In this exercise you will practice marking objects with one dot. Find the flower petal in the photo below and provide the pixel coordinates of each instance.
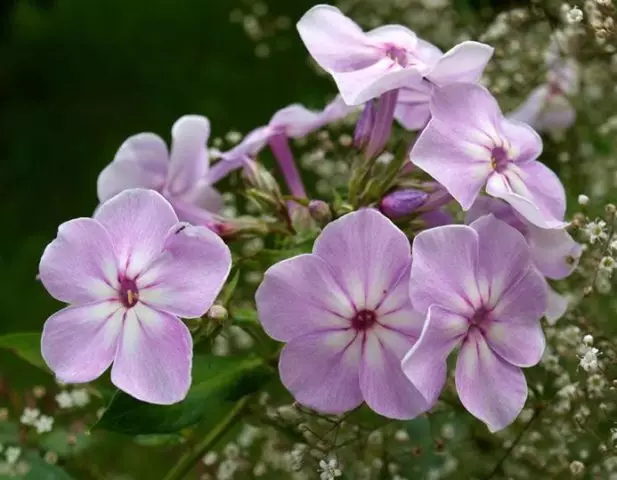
(188, 275)
(523, 301)
(367, 254)
(530, 110)
(189, 156)
(557, 306)
(413, 108)
(360, 86)
(554, 252)
(138, 221)
(491, 389)
(335, 41)
(141, 162)
(385, 388)
(154, 356)
(521, 344)
(443, 271)
(79, 266)
(464, 62)
(503, 257)
(299, 296)
(79, 342)
(321, 370)
(425, 364)
(534, 191)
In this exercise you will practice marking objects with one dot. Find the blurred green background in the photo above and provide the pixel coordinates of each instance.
(78, 77)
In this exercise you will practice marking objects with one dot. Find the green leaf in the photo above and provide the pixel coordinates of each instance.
(26, 346)
(39, 469)
(65, 443)
(217, 381)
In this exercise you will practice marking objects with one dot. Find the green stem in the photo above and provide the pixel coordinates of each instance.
(191, 457)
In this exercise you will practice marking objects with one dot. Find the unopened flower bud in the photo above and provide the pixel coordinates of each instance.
(257, 177)
(401, 203)
(217, 313)
(320, 211)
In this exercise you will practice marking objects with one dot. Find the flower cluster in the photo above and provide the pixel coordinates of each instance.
(451, 244)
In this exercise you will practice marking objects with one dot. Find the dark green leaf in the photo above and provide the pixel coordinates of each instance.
(26, 346)
(216, 381)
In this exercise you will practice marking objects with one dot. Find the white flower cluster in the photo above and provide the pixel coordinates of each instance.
(32, 417)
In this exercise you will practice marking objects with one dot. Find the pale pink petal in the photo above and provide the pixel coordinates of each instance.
(412, 108)
(558, 115)
(321, 370)
(554, 252)
(464, 62)
(153, 360)
(524, 301)
(443, 271)
(530, 110)
(191, 213)
(251, 145)
(360, 86)
(397, 35)
(335, 41)
(188, 275)
(425, 364)
(299, 296)
(367, 254)
(141, 162)
(491, 389)
(503, 257)
(79, 266)
(557, 306)
(385, 388)
(461, 166)
(189, 156)
(79, 342)
(537, 206)
(138, 221)
(521, 344)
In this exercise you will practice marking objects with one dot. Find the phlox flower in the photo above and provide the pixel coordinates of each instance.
(479, 290)
(293, 121)
(547, 107)
(128, 274)
(468, 145)
(554, 252)
(366, 65)
(345, 314)
(143, 161)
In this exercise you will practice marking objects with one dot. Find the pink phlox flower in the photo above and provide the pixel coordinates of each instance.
(554, 252)
(547, 108)
(468, 145)
(345, 316)
(143, 161)
(479, 291)
(128, 273)
(366, 65)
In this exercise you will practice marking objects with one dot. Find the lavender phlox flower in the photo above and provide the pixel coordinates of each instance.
(143, 161)
(479, 290)
(547, 108)
(128, 273)
(293, 121)
(345, 316)
(468, 145)
(372, 66)
(554, 252)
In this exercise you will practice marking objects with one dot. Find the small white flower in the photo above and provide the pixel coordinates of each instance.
(29, 416)
(44, 424)
(64, 399)
(575, 15)
(329, 470)
(81, 397)
(583, 199)
(607, 264)
(12, 455)
(588, 339)
(589, 360)
(233, 136)
(210, 458)
(596, 231)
